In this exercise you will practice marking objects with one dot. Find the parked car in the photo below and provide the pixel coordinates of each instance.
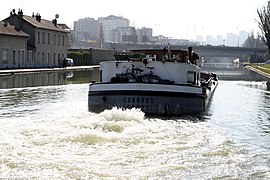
(68, 62)
(267, 62)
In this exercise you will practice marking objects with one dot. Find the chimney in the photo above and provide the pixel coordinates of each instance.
(20, 13)
(20, 19)
(54, 21)
(12, 14)
(5, 23)
(38, 17)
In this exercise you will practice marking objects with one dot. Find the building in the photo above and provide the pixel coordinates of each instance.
(112, 22)
(209, 40)
(126, 35)
(145, 35)
(243, 36)
(48, 41)
(220, 41)
(87, 29)
(13, 46)
(232, 39)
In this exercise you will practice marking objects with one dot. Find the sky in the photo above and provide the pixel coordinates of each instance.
(181, 19)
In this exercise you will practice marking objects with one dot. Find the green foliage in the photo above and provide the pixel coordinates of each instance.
(80, 57)
(264, 68)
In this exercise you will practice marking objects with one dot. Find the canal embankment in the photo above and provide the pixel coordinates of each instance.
(263, 70)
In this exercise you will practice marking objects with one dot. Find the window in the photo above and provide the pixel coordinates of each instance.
(23, 56)
(48, 58)
(14, 57)
(38, 58)
(63, 42)
(191, 77)
(30, 54)
(54, 39)
(43, 58)
(5, 56)
(19, 57)
(43, 38)
(54, 58)
(38, 37)
(59, 40)
(49, 38)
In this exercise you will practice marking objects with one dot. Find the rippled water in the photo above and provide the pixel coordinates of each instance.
(48, 133)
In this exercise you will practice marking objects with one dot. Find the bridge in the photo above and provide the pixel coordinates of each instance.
(211, 54)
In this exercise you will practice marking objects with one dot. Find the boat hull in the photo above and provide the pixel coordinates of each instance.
(151, 99)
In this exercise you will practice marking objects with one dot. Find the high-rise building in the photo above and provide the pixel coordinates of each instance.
(124, 35)
(112, 22)
(87, 29)
(209, 40)
(219, 40)
(243, 35)
(144, 34)
(199, 39)
(232, 39)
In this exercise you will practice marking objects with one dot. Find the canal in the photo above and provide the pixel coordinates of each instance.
(47, 132)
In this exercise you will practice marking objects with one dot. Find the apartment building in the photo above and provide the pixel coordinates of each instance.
(126, 35)
(87, 29)
(112, 22)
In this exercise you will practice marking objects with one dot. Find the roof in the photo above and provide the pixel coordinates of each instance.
(8, 29)
(43, 24)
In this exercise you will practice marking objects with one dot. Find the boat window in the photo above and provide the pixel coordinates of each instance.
(153, 57)
(191, 77)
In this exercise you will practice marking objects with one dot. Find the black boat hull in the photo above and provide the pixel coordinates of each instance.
(150, 102)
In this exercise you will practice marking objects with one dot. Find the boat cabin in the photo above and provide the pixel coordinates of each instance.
(154, 66)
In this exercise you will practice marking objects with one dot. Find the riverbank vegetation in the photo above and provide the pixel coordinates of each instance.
(262, 67)
(80, 57)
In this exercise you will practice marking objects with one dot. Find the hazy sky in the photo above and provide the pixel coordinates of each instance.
(171, 18)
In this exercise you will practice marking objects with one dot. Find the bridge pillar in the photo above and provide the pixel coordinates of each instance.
(268, 85)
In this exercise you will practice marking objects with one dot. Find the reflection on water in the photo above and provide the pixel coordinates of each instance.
(48, 79)
(230, 71)
(225, 71)
(17, 102)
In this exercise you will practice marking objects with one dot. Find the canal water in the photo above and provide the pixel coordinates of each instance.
(47, 133)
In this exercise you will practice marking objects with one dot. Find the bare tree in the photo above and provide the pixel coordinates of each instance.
(264, 24)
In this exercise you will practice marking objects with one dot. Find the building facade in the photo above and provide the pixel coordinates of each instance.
(13, 47)
(47, 43)
(145, 34)
(112, 22)
(126, 35)
(87, 29)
